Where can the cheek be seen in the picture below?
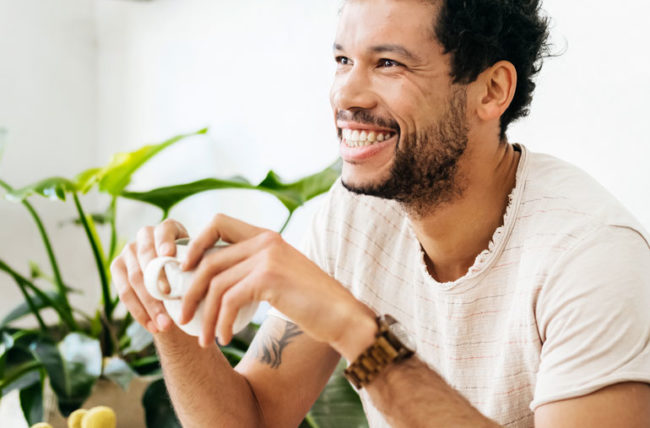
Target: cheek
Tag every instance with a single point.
(406, 104)
(419, 105)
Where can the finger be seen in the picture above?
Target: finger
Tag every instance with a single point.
(153, 307)
(164, 242)
(128, 297)
(232, 301)
(221, 227)
(210, 314)
(165, 235)
(218, 286)
(145, 249)
(219, 261)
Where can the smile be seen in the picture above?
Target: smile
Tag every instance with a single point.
(363, 138)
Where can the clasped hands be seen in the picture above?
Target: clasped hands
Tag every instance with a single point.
(258, 266)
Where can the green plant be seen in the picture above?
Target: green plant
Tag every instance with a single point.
(82, 347)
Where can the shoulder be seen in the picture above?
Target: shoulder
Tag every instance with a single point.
(560, 200)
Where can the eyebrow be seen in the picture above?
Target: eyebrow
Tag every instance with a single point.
(398, 49)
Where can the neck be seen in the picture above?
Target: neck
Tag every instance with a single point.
(454, 233)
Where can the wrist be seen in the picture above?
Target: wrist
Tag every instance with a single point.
(175, 340)
(358, 335)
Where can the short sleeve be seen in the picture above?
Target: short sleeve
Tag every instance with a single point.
(593, 316)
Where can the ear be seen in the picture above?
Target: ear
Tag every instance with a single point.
(497, 88)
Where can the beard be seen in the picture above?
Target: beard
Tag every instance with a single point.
(424, 174)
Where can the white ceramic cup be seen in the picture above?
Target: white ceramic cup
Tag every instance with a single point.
(179, 282)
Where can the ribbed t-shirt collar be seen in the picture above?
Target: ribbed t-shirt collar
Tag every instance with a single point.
(486, 258)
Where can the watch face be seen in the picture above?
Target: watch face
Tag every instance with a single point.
(399, 332)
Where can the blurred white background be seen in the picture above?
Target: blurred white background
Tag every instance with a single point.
(82, 79)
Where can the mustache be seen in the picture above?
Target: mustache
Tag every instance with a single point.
(366, 118)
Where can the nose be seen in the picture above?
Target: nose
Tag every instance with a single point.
(352, 90)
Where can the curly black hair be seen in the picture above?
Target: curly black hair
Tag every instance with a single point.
(480, 33)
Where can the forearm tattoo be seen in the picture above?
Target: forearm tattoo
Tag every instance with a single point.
(268, 348)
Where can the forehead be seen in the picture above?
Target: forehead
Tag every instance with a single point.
(374, 22)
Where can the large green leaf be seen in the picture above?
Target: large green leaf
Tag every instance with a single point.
(26, 286)
(292, 195)
(73, 366)
(147, 366)
(23, 308)
(339, 405)
(233, 355)
(20, 369)
(115, 176)
(117, 370)
(31, 402)
(6, 343)
(158, 409)
(136, 338)
(52, 188)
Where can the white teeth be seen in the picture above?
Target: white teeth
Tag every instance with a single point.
(356, 138)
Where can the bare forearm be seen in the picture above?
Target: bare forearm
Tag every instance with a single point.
(410, 394)
(204, 389)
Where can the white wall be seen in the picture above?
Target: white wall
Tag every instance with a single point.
(256, 72)
(47, 104)
(590, 106)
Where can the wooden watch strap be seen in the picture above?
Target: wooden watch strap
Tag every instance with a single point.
(371, 362)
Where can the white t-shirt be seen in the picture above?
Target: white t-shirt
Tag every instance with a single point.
(558, 306)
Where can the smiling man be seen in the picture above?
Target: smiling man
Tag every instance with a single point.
(467, 281)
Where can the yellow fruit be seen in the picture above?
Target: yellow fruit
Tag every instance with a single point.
(99, 417)
(41, 425)
(74, 420)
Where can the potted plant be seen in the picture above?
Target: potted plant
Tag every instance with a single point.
(83, 350)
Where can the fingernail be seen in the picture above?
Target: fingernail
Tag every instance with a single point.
(163, 321)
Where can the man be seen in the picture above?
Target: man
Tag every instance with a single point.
(522, 283)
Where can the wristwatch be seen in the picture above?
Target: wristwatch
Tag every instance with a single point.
(392, 345)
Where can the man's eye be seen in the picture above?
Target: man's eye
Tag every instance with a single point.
(342, 60)
(388, 63)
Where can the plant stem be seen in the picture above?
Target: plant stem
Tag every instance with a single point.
(111, 343)
(63, 291)
(112, 249)
(106, 294)
(64, 315)
(128, 318)
(286, 222)
(113, 246)
(32, 306)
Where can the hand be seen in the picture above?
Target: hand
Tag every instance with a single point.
(261, 266)
(128, 267)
